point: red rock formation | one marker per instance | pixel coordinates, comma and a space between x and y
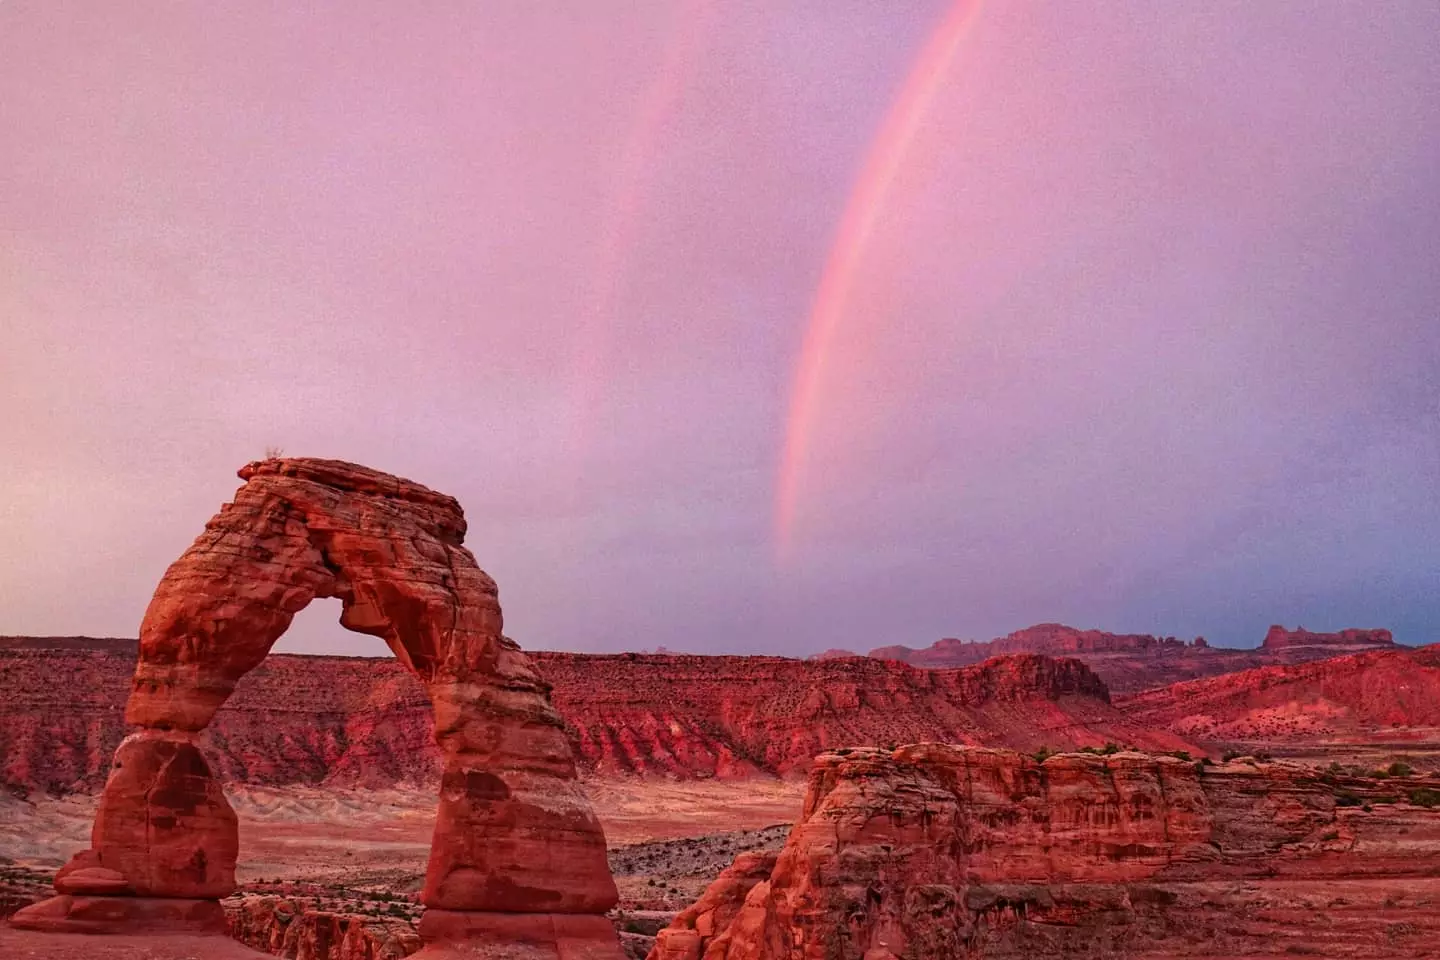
296, 928
1278, 638
701, 922
1355, 698
1129, 663
514, 835
351, 721
934, 852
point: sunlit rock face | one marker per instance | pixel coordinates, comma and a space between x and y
514, 834
1278, 638
937, 852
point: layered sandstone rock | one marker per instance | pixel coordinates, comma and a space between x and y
357, 722
1375, 696
1129, 663
1278, 638
514, 833
934, 852
299, 930
712, 914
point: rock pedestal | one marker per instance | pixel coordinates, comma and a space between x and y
517, 851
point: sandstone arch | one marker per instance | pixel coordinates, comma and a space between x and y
517, 854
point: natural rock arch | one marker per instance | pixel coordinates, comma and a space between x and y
514, 833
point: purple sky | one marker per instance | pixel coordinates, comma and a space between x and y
1145, 335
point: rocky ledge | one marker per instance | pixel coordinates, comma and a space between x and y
935, 852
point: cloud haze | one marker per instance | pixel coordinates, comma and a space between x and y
1144, 337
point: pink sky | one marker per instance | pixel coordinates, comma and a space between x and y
1143, 334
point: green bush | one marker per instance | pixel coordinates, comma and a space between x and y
1346, 799
1400, 769
1425, 797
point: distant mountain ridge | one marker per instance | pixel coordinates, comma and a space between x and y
366, 722
1130, 662
1354, 698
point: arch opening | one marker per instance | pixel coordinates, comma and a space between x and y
316, 630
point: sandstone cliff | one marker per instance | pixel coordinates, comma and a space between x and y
1129, 663
1366, 696
1278, 638
934, 852
298, 929
355, 721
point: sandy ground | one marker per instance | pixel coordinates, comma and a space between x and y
24, 945
364, 838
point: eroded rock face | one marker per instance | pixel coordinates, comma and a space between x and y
368, 722
935, 852
1278, 638
164, 827
710, 916
296, 928
1129, 663
511, 816
1360, 698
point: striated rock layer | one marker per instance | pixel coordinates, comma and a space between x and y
365, 722
296, 929
932, 852
516, 843
1359, 698
1132, 662
1278, 638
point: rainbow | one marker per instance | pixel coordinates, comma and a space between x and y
661, 99
867, 200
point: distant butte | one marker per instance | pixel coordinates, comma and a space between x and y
1132, 662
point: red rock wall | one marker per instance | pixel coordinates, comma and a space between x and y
934, 852
1130, 663
1278, 638
1354, 696
352, 721
297, 929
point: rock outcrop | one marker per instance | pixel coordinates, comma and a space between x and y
935, 852
1129, 663
1360, 698
299, 930
517, 856
1278, 638
365, 722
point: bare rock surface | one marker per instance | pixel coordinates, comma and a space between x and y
1131, 662
934, 851
1279, 638
355, 722
1367, 698
514, 833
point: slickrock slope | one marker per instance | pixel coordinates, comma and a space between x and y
1129, 663
1385, 694
935, 852
367, 722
